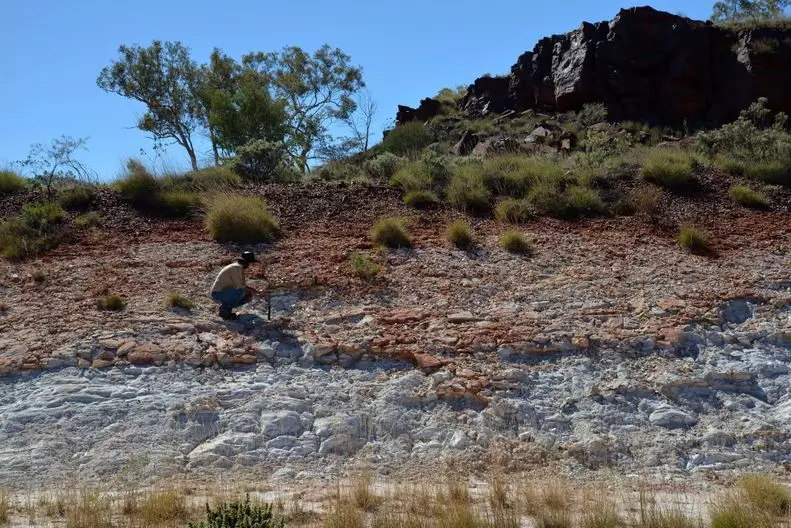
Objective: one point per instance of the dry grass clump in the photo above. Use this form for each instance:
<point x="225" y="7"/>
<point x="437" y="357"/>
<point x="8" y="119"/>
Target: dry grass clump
<point x="176" y="300"/>
<point x="673" y="169"/>
<point x="241" y="219"/>
<point x="515" y="211"/>
<point x="421" y="199"/>
<point x="747" y="197"/>
<point x="5" y="508"/>
<point x="344" y="514"/>
<point x="11" y="182"/>
<point x="513" y="175"/>
<point x="460" y="234"/>
<point x="165" y="507"/>
<point x="89" y="510"/>
<point x="363" y="267"/>
<point x="391" y="233"/>
<point x="648" y="202"/>
<point x="112" y="302"/>
<point x="694" y="240"/>
<point x="767" y="495"/>
<point x="515" y="242"/>
<point x="363" y="494"/>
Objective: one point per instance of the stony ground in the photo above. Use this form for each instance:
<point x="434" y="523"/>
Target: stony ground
<point x="608" y="346"/>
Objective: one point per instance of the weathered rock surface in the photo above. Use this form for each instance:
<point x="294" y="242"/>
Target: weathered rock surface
<point x="645" y="65"/>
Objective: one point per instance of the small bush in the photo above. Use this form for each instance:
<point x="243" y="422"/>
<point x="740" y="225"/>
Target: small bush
<point x="338" y="171"/>
<point x="771" y="172"/>
<point x="176" y="204"/>
<point x="648" y="201"/>
<point x="112" y="303"/>
<point x="42" y="216"/>
<point x="203" y="180"/>
<point x="37" y="229"/>
<point x="767" y="495"/>
<point x="77" y="198"/>
<point x="408" y="138"/>
<point x="669" y="168"/>
<point x="363" y="267"/>
<point x="241" y="219"/>
<point x="239" y="515"/>
<point x="383" y="166"/>
<point x="592" y="113"/>
<point x="515" y="242"/>
<point x="514" y="175"/>
<point x="11" y="182"/>
<point x="514" y="211"/>
<point x="421" y="199"/>
<point x="747" y="197"/>
<point x="468" y="192"/>
<point x="460" y="234"/>
<point x="176" y="300"/>
<point x="692" y="239"/>
<point x="163" y="507"/>
<point x="261" y="161"/>
<point x="413" y="177"/>
<point x="91" y="510"/>
<point x="392" y="233"/>
<point x="730" y="165"/>
<point x="138" y="187"/>
<point x="89" y="220"/>
<point x="548" y="199"/>
<point x="584" y="201"/>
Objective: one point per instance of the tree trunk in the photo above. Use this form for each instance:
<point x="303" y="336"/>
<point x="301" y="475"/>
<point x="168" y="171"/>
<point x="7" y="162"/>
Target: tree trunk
<point x="193" y="159"/>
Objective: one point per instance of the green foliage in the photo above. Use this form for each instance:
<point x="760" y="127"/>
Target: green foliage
<point x="209" y="179"/>
<point x="413" y="177"/>
<point x="747" y="197"/>
<point x="468" y="192"/>
<point x="176" y="300"/>
<point x="693" y="239"/>
<point x="771" y="172"/>
<point x="391" y="233"/>
<point x="515" y="211"/>
<point x="754" y="10"/>
<point x="383" y="166"/>
<point x="138" y="186"/>
<point x="37" y="229"/>
<point x="11" y="182"/>
<point x="56" y="162"/>
<point x="673" y="169"/>
<point x="240" y="515"/>
<point x="648" y="201"/>
<point x="89" y="220"/>
<point x="363" y="267"/>
<point x="514" y="175"/>
<point x="421" y="199"/>
<point x="460" y="234"/>
<point x="574" y="202"/>
<point x="77" y="198"/>
<point x="407" y="139"/>
<point x="146" y="193"/>
<point x="767" y="495"/>
<point x="592" y="113"/>
<point x="515" y="242"/>
<point x="176" y="204"/>
<point x="584" y="201"/>
<point x="338" y="171"/>
<point x="165" y="79"/>
<point x="241" y="219"/>
<point x="112" y="303"/>
<point x="260" y="161"/>
<point x="316" y="89"/>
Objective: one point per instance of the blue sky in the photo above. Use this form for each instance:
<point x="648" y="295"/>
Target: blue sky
<point x="51" y="52"/>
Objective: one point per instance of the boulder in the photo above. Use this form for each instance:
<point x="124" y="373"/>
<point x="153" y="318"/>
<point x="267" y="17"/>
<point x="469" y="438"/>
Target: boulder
<point x="428" y="108"/>
<point x="671" y="418"/>
<point x="466" y="144"/>
<point x="495" y="146"/>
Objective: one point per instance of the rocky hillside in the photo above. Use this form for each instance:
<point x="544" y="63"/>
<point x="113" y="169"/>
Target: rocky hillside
<point x="646" y="66"/>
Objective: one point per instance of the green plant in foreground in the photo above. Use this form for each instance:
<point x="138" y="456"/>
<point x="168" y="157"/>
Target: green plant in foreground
<point x="421" y="199"/>
<point x="767" y="495"/>
<point x="747" y="197"/>
<point x="515" y="242"/>
<point x="363" y="267"/>
<point x="11" y="182"/>
<point x="112" y="303"/>
<point x="515" y="211"/>
<point x="89" y="220"/>
<point x="672" y="169"/>
<point x="241" y="219"/>
<point x="37" y="229"/>
<point x="176" y="300"/>
<point x="77" y="198"/>
<point x="392" y="233"/>
<point x="460" y="234"/>
<point x="468" y="192"/>
<point x="693" y="239"/>
<point x="239" y="515"/>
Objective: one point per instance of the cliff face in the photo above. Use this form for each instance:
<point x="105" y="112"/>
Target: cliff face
<point x="645" y="65"/>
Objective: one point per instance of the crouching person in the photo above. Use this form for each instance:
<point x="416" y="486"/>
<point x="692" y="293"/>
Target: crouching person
<point x="229" y="288"/>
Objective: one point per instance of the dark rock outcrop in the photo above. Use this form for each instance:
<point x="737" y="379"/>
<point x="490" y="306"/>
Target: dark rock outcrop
<point x="647" y="66"/>
<point x="428" y="108"/>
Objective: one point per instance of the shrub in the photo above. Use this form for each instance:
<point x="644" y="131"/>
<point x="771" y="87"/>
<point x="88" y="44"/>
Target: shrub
<point x="11" y="182"/>
<point x="138" y="187"/>
<point x="383" y="166"/>
<point x="241" y="219"/>
<point x="772" y="172"/>
<point x="413" y="177"/>
<point x="163" y="507"/>
<point x="583" y="201"/>
<point x="363" y="267"/>
<point x="260" y="161"/>
<point x="407" y="139"/>
<point x="112" y="303"/>
<point x="747" y="197"/>
<point x="730" y="165"/>
<point x="89" y="220"/>
<point x="206" y="179"/>
<point x="692" y="239"/>
<point x="176" y="204"/>
<point x="5" y="505"/>
<point x="467" y="191"/>
<point x="766" y="494"/>
<point x="515" y="242"/>
<point x="514" y="211"/>
<point x="176" y="300"/>
<point x="421" y="199"/>
<point x="460" y="234"/>
<point x="592" y="113"/>
<point x="37" y="229"/>
<point x="514" y="175"/>
<point x="338" y="171"/>
<point x="670" y="168"/>
<point x="648" y="201"/>
<point x="392" y="233"/>
<point x="239" y="515"/>
<point x="77" y="198"/>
